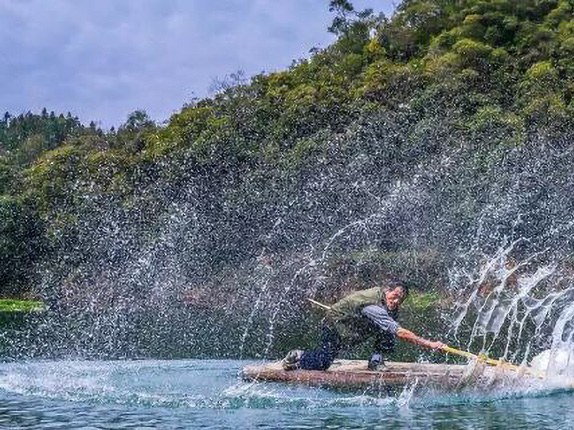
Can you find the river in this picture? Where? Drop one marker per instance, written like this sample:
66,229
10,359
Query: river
209,394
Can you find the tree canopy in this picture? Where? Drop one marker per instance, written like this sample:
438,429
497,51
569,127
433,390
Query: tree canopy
486,73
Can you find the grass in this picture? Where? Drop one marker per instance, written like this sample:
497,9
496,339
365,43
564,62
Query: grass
422,301
20,306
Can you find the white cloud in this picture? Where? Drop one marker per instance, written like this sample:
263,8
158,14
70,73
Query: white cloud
103,59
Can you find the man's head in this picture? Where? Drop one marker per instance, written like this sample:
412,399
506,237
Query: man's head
396,291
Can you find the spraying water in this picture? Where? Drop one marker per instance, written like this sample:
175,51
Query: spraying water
515,309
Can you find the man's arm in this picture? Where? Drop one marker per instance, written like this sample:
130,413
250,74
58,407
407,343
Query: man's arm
409,336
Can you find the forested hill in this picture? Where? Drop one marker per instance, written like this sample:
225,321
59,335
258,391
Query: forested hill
413,127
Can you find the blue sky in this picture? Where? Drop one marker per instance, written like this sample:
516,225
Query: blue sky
103,59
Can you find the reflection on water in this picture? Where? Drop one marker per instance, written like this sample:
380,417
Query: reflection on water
208,394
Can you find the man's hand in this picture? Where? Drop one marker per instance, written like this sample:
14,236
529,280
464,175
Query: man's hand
436,345
409,336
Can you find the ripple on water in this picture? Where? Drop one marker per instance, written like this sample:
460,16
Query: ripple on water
172,394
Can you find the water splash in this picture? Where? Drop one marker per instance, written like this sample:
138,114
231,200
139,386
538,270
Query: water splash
515,308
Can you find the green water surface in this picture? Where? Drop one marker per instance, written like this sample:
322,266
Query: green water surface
209,394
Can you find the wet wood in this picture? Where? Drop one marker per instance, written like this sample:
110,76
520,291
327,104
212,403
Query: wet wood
354,375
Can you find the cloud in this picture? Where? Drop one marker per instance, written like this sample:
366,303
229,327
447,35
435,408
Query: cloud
104,59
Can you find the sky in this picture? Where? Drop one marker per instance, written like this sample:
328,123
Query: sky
103,59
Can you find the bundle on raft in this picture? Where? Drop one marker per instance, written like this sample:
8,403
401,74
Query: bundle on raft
354,375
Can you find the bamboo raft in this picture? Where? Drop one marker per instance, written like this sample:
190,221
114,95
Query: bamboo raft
354,375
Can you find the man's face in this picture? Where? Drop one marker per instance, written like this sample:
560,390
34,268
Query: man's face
394,298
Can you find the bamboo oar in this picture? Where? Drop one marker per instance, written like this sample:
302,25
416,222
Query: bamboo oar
466,354
321,305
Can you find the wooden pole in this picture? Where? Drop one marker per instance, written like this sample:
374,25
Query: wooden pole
321,305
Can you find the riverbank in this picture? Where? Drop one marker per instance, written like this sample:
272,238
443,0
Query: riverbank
12,305
29,328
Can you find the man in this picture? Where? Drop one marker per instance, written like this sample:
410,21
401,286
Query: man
354,319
